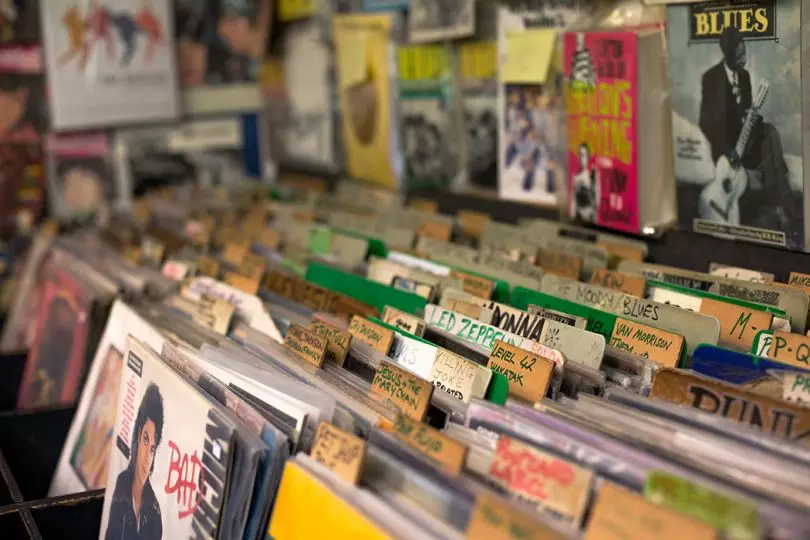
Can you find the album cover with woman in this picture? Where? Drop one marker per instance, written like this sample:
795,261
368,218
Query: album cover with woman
57,357
24,116
736,75
171,459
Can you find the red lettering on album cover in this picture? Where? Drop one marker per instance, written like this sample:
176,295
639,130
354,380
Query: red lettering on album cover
527,472
185,475
128,409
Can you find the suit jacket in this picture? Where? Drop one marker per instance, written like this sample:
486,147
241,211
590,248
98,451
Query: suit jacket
721,117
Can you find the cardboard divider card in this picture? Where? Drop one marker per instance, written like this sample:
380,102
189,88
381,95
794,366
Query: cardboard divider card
433,229
404,321
373,335
796,388
246,284
544,479
660,346
529,374
411,394
448,452
253,267
473,284
316,297
561,264
785,347
235,252
338,341
773,416
627,283
461,378
620,514
470,306
738,326
493,518
696,328
269,238
305,344
341,452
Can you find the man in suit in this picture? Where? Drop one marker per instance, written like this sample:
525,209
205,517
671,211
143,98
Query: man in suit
726,97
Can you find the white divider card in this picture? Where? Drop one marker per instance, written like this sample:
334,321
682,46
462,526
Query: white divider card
485,335
459,377
414,355
694,327
792,301
418,262
577,345
741,274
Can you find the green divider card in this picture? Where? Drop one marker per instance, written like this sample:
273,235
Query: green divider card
598,321
370,292
498,388
694,293
375,245
320,240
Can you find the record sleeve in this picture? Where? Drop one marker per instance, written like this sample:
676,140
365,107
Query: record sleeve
19,22
170,464
83,463
24,115
737,175
56,360
111,63
220,44
22,184
436,20
81,182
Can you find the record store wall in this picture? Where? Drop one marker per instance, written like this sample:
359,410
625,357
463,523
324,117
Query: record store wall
487,269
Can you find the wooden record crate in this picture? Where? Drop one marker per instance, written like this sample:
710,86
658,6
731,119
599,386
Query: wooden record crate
30,444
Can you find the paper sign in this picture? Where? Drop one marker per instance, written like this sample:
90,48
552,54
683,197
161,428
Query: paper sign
793,349
245,284
620,514
374,335
796,388
477,286
528,374
338,342
448,452
635,285
305,344
773,416
545,479
408,392
738,325
528,56
341,452
352,58
561,264
235,252
404,321
494,518
658,345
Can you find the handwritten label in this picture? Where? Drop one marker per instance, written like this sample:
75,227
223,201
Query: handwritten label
528,374
796,388
475,285
786,347
620,514
305,344
773,416
341,452
454,374
235,252
619,281
208,266
738,325
316,297
561,264
494,518
407,391
245,284
802,281
542,478
658,345
415,355
338,341
373,335
448,452
404,321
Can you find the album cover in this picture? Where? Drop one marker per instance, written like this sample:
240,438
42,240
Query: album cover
19,21
83,463
531,134
22,185
436,20
479,96
55,363
429,116
80,176
363,48
110,62
170,464
24,116
736,85
220,45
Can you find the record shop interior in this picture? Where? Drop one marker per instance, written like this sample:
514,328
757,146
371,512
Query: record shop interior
404,269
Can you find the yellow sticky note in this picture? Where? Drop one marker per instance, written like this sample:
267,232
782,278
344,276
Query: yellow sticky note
529,55
352,59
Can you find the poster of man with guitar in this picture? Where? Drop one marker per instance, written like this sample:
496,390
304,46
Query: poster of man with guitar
741,141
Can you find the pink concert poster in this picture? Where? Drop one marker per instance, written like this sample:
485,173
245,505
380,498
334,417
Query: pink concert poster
601,82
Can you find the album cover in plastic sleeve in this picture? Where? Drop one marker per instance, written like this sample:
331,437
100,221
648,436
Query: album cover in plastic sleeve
22,189
110,63
80,176
55,363
220,44
436,20
736,80
479,93
19,21
83,464
170,463
24,114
